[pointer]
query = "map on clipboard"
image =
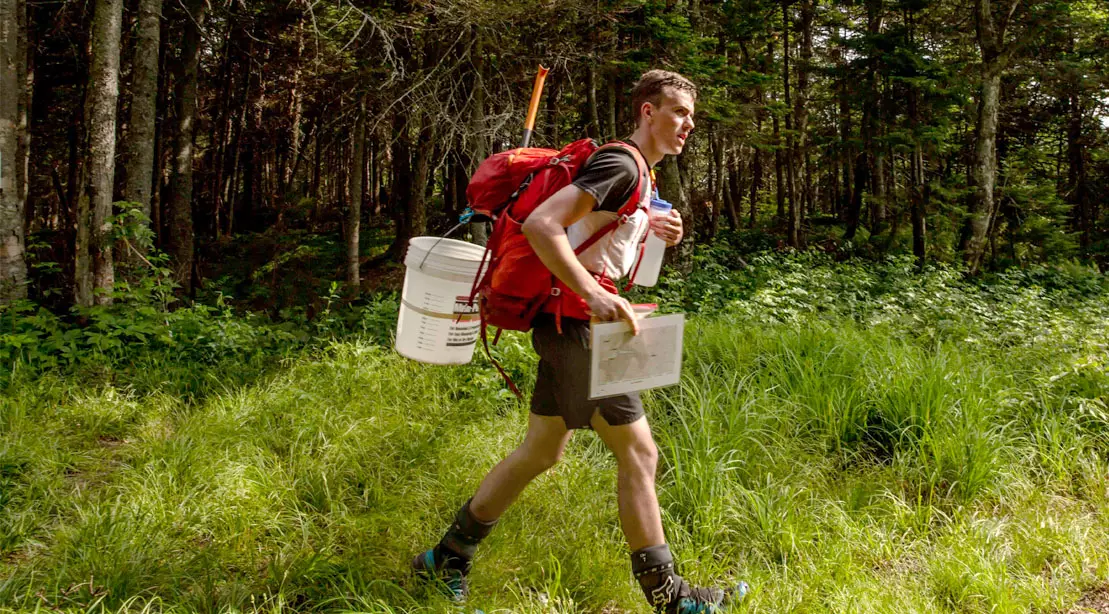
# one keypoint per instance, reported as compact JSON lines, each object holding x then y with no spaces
{"x":621,"y":362}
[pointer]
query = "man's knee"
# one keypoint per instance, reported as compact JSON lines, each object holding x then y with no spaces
{"x":640,"y":459}
{"x":540,"y":459}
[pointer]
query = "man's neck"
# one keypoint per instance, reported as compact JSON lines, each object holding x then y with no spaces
{"x":646,"y":144}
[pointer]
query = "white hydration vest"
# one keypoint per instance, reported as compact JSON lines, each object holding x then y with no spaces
{"x":615,"y":254}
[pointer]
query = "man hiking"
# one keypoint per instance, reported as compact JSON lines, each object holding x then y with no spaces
{"x":614,"y":175}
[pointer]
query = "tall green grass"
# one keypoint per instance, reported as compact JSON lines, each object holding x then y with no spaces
{"x":840,"y":458}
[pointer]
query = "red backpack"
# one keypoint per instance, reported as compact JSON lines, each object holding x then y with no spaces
{"x":515,"y":285}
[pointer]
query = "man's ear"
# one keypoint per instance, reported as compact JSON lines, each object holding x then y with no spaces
{"x":646,"y":110}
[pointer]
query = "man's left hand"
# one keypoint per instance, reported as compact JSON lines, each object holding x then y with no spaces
{"x":668,"y":228}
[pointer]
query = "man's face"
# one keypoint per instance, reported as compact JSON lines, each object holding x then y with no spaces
{"x":672,"y":120}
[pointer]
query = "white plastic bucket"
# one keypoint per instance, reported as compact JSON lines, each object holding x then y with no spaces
{"x":437,"y":324}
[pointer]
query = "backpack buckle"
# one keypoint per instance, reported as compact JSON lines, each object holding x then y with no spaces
{"x":624,"y":219}
{"x":556,"y":291}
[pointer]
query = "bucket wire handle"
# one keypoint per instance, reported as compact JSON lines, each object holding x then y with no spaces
{"x":449,"y":233}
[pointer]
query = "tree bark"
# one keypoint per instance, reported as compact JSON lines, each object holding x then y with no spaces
{"x":401,"y":189}
{"x":25,"y":74}
{"x":917,"y":188}
{"x":479,"y":148}
{"x":613,"y":129}
{"x":96,"y":276}
{"x":354,"y":210}
{"x":779,"y":179}
{"x":13,"y":267}
{"x":733,"y":194}
{"x":803,"y":160}
{"x":591,"y":96}
{"x":180,"y":241}
{"x":554,"y":93}
{"x":872,"y":117}
{"x":138,"y":146}
{"x":1077,"y":192}
{"x":984,"y":169}
{"x":296,"y":112}
{"x":671,"y":189}
{"x":845,"y":200}
{"x":417,"y":210}
{"x":995,"y":55}
{"x":756,"y":177}
{"x":790,"y":157}
{"x":719,"y":196}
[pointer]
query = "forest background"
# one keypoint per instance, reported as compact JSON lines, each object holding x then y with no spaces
{"x":958,"y":131}
{"x":895,"y":394}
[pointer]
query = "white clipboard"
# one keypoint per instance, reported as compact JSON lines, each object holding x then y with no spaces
{"x":621,"y":363}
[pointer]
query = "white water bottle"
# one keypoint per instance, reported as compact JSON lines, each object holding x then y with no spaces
{"x":650,"y":263}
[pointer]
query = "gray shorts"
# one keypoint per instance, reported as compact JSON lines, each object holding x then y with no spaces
{"x":562,"y":384}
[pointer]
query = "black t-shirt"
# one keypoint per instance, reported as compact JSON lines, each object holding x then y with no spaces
{"x":610,"y":176}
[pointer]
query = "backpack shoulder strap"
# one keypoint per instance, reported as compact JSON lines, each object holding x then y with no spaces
{"x":644,"y":180}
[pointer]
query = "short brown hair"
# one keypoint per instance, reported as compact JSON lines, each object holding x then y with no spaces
{"x":650,"y":85}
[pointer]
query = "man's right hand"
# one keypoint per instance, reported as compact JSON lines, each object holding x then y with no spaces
{"x":608,"y":307}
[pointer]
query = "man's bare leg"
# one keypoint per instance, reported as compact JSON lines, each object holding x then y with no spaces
{"x":636,"y":463}
{"x":542,"y":447}
{"x":640,"y":518}
{"x":449,"y":561}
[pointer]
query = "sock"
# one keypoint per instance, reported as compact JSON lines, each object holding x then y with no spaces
{"x":459,"y":544}
{"x":653,"y":568}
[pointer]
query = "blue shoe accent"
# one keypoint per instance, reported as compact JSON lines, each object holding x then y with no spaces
{"x":721,"y":601}
{"x":451,"y":582}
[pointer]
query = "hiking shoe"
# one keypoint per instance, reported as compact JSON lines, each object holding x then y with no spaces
{"x":707,"y":600}
{"x":451,"y":582}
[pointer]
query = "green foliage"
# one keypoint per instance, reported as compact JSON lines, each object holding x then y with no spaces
{"x":846,"y":437}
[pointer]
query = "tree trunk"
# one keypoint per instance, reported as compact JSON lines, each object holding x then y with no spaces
{"x":96,"y":274}
{"x":917,"y":188}
{"x":554,"y":93}
{"x":793,"y":223}
{"x":733,"y":194}
{"x":180,"y":240}
{"x":138,"y":147}
{"x":417,"y":210}
{"x":230,"y":187}
{"x":801,"y":108}
{"x":372,"y":176}
{"x":25,"y":74}
{"x":984,"y":170}
{"x":779,"y":180}
{"x":844,"y":204}
{"x":591,"y":96}
{"x":671,"y":189}
{"x":158,"y":179}
{"x":1077,"y":193}
{"x":479,"y":144}
{"x":872,"y":118}
{"x":354,"y":210}
{"x":756,"y":177}
{"x":991,"y":37}
{"x":801,"y":188}
{"x":613,"y":128}
{"x":401,"y":189}
{"x":296,"y":112}
{"x":13,"y":266}
{"x":719,"y":198}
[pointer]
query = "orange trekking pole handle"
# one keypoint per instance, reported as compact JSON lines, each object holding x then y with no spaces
{"x":533,"y":107}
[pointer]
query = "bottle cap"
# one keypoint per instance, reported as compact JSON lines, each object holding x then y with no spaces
{"x":660,"y":205}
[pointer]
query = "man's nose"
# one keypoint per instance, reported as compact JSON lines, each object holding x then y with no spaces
{"x":689,"y":123}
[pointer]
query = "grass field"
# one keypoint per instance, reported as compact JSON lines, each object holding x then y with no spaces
{"x":904,"y":445}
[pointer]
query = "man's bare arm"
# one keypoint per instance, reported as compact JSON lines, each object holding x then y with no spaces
{"x":545,"y":229}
